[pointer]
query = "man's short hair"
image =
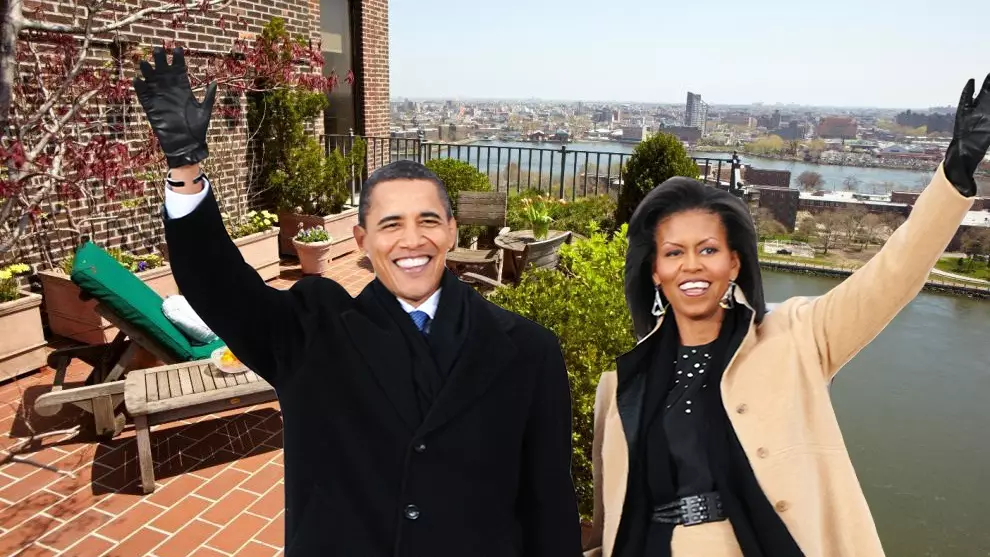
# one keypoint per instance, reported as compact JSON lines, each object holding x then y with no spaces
{"x":400,"y":170}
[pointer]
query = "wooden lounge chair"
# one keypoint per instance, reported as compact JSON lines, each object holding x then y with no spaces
{"x":486,"y":209}
{"x":135,"y":309}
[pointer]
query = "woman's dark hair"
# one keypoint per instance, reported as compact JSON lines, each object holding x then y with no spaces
{"x":677,"y":195}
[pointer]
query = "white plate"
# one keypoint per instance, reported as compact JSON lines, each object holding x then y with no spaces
{"x":215,"y":358}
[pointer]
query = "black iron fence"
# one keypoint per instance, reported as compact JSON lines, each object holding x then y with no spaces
{"x":562,"y":171}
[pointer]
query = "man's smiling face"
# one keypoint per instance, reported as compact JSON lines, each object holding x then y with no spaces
{"x":407,"y":235}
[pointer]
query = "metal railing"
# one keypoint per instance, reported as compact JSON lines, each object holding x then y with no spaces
{"x":564,"y":172}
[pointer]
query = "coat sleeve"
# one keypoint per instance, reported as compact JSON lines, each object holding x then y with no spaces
{"x":547,"y":502}
{"x":266,"y":328}
{"x":852,"y":314}
{"x":603,"y":397}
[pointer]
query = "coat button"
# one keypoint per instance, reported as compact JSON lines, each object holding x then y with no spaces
{"x":762,"y":452}
{"x":412,"y":512}
{"x":781,"y":506}
{"x":420,"y":447}
{"x":741,"y":409}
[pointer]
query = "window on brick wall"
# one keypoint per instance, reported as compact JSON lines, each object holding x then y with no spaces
{"x":336,"y":32}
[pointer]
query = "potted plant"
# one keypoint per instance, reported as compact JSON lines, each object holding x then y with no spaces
{"x":22,"y":344}
{"x":71,"y":317}
{"x":315,"y":249}
{"x":314,"y":190}
{"x":537,"y":216}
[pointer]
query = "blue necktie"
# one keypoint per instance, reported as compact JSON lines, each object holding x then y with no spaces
{"x":421,"y":319}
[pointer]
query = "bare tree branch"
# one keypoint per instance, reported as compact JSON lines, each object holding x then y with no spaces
{"x":212,"y":5}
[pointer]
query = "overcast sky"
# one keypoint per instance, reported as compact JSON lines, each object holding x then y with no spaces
{"x":908,"y":53}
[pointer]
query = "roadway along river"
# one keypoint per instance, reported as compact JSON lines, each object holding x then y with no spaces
{"x":914,"y":412}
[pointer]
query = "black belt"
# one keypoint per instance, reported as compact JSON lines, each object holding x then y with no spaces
{"x":691,"y":510}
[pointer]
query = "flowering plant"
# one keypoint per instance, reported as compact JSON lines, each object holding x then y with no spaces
{"x":312,"y":235}
{"x":537,"y":216}
{"x":8,"y":281}
{"x":250,"y":223}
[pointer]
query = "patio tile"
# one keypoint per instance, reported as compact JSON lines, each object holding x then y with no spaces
{"x":179,"y":515}
{"x":272,"y":503}
{"x":36,"y":551}
{"x":90,"y":546}
{"x":140,"y":543}
{"x":263,"y":480}
{"x":220,"y":485}
{"x":219,"y":478}
{"x":237,"y":533}
{"x":187,"y":539}
{"x":228,"y":507}
{"x":125,"y":524}
{"x":274,"y":533}
{"x":255,"y":549}
{"x":76,"y":529}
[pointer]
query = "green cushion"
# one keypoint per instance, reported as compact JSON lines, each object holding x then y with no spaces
{"x":102,"y":277}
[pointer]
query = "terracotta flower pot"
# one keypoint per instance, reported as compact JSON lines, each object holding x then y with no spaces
{"x":314,"y":257}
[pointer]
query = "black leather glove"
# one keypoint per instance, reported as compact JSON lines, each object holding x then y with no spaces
{"x":177,"y":118}
{"x":970,"y":138}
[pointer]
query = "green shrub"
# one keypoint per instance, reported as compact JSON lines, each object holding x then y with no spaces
{"x":278,"y":118}
{"x":653,"y":162}
{"x":460,"y":176}
{"x":583,"y":303}
{"x":314,"y":184}
{"x":576,"y":216}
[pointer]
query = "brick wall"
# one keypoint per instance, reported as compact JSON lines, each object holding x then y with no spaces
{"x":134,"y":223}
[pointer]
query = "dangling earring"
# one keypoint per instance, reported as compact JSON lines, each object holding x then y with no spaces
{"x":728,"y":300}
{"x":658,"y":309}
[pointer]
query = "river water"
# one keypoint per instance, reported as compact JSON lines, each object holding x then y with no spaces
{"x":914,"y":412}
{"x":490,"y":155}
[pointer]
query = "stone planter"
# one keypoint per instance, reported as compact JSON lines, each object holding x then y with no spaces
{"x":314,"y":257}
{"x":340,"y":227}
{"x":260,"y":250}
{"x":22,"y":343}
{"x":70,"y":317}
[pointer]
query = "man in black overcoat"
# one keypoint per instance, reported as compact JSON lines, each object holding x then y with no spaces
{"x":420,"y":420}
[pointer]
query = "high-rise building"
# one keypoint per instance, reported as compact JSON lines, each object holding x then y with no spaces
{"x":695,"y":112}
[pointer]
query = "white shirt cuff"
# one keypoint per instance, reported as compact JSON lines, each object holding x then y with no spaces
{"x":178,"y":205}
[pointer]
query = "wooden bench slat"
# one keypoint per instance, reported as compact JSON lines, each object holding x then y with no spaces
{"x":151,"y":387}
{"x":163,"y":390}
{"x":196,"y":376}
{"x":209,"y":381}
{"x":185,"y":381}
{"x":173,"y":383}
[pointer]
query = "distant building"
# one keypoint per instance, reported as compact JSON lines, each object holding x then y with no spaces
{"x":766,"y":177}
{"x":635,"y":133}
{"x":690,"y":135}
{"x":695,"y":112}
{"x":837,"y":127}
{"x":740,"y":120}
{"x":782,"y":202}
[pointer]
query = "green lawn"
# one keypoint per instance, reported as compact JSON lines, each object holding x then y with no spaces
{"x":974,"y":269}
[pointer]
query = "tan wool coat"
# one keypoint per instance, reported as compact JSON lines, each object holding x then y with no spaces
{"x":775,"y":392}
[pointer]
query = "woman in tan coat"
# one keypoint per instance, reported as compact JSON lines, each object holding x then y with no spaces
{"x":716,"y":436}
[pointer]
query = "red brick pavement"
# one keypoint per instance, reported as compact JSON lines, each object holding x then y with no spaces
{"x":219,"y":477}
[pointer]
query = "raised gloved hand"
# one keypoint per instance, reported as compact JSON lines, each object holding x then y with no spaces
{"x":970,"y":138}
{"x":177,"y":118}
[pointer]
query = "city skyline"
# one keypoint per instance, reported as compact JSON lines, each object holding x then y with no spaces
{"x":849,"y":56}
